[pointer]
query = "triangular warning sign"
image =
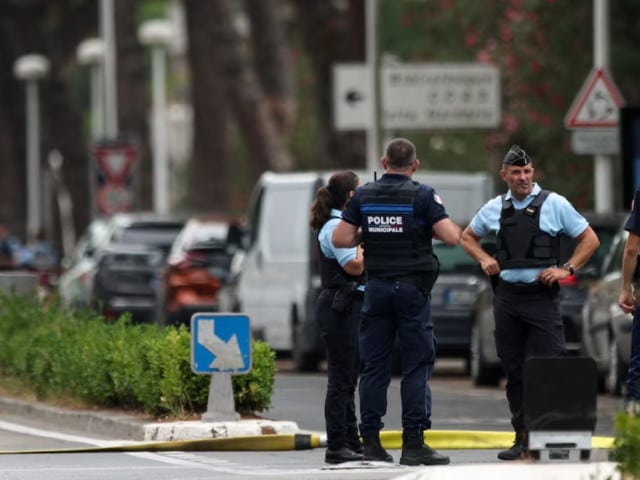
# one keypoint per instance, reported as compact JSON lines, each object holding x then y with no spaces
{"x":597,"y":104}
{"x":115,"y":161}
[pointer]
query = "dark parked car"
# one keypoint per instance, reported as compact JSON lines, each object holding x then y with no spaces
{"x":146,"y":237}
{"x":197,"y":268}
{"x":575,"y":292}
{"x":454,"y":299}
{"x":126,"y":280}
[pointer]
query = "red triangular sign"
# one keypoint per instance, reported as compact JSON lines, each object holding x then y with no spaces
{"x":597,"y":104}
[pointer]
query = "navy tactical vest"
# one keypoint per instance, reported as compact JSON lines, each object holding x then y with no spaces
{"x":520,"y":242}
{"x":395,"y":239}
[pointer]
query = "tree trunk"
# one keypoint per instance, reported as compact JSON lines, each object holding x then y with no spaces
{"x":330,"y":36}
{"x":266,"y":146}
{"x":133,"y":103}
{"x":209,"y":173}
{"x":271,"y":61}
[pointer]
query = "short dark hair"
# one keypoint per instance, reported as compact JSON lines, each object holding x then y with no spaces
{"x":400,"y":152}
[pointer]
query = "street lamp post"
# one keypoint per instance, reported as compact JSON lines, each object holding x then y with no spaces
{"x":90,"y":52}
{"x":157,"y":34}
{"x":31,"y":68}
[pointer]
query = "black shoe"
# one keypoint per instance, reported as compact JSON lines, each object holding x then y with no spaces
{"x":341,"y":455}
{"x":355,"y":445}
{"x":373,"y":450}
{"x":518,"y":451}
{"x":422,"y":455}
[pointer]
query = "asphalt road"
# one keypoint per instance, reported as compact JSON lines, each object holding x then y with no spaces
{"x":457,"y":406}
{"x":457,"y":403}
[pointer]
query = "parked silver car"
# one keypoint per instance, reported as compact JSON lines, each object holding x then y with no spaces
{"x":607,"y":329}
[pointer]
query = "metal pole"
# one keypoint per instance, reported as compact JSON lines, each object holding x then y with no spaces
{"x":107,"y":28}
{"x":33,"y":159}
{"x":373,"y":153}
{"x":603,"y":164}
{"x":97,"y":103}
{"x":160,"y":156}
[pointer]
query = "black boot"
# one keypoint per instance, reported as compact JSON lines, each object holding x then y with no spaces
{"x":416,"y":452}
{"x":373,"y":449}
{"x":519,"y":450}
{"x":341,"y":455}
{"x":353,"y":441}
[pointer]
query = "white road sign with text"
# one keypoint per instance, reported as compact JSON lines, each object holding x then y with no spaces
{"x":436,"y":96}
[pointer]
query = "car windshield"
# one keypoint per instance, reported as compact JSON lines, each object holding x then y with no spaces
{"x":160,"y":236}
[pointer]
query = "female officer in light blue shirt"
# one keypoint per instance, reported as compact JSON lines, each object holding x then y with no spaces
{"x":338,"y":314}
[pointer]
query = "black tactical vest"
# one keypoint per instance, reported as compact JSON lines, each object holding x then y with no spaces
{"x":520,"y":242}
{"x":395,"y":239}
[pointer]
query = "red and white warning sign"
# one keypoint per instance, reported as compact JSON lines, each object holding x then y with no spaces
{"x":114,"y":198}
{"x":115,"y":161}
{"x":597,"y":104}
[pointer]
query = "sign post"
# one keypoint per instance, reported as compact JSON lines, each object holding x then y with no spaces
{"x":594,"y":115}
{"x":220,"y":346}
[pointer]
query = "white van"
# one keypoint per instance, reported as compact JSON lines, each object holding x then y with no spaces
{"x":278,"y":277}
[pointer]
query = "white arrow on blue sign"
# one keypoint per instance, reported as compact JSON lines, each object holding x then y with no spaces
{"x":220,"y":342}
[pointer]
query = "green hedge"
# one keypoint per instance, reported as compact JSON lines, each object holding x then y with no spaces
{"x":57,"y":352}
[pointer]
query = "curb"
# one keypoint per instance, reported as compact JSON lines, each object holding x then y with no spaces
{"x":138,"y":428}
{"x":195,"y":430}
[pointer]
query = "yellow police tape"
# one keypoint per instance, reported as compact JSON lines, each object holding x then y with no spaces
{"x":438,"y":439}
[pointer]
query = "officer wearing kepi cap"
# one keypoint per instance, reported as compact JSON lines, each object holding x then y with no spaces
{"x":528,"y":222}
{"x":396,"y":219}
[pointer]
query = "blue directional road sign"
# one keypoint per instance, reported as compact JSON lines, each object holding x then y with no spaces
{"x":220,"y":342}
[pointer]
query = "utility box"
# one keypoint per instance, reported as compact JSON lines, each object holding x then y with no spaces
{"x":560,"y":405}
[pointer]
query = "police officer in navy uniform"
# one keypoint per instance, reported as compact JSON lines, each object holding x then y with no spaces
{"x":396,"y":219}
{"x":525,"y":270}
{"x":627,"y":302}
{"x":338,"y":314}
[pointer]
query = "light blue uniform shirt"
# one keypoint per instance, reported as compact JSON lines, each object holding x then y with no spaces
{"x":342,"y":255}
{"x":557,"y":216}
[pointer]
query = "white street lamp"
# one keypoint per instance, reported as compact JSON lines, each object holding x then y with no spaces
{"x":108,"y":34}
{"x":90,"y":52}
{"x":31,"y":68}
{"x":158,"y":34}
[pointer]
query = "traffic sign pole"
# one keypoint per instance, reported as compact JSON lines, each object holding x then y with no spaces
{"x":220,"y":404}
{"x":594,"y":115}
{"x":603,"y":164}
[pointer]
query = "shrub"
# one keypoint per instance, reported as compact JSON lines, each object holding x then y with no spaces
{"x":58,"y":352}
{"x":626,"y":446}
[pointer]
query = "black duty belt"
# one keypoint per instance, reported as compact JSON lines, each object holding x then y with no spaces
{"x":521,"y":288}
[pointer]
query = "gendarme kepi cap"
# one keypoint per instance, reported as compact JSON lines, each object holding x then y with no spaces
{"x":516,"y":156}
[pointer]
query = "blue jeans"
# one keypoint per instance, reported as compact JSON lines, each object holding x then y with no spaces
{"x":633,"y":374}
{"x":393,"y":307}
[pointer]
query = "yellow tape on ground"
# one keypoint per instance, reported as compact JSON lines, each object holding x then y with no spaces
{"x":469,"y":439}
{"x":438,"y":439}
{"x":261,"y":443}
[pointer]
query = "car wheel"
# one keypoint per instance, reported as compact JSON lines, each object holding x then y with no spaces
{"x":481,"y":373}
{"x":616,"y":374}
